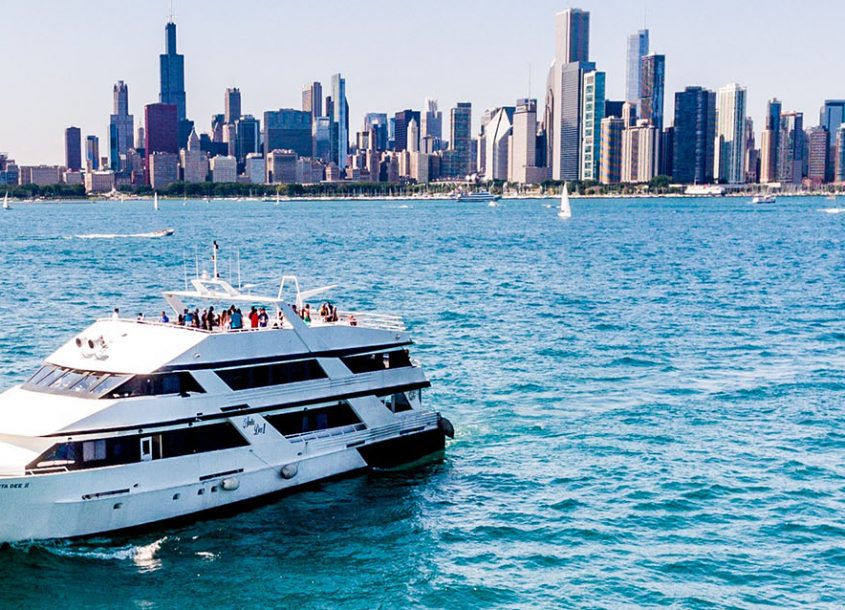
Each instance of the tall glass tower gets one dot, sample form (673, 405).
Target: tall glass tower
(173, 74)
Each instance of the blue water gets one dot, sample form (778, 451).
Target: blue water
(649, 402)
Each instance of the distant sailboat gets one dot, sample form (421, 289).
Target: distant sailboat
(6, 205)
(155, 201)
(277, 198)
(565, 209)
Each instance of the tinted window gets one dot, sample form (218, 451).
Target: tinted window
(271, 374)
(378, 362)
(312, 420)
(157, 385)
(86, 384)
(127, 449)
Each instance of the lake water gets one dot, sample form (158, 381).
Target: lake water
(649, 402)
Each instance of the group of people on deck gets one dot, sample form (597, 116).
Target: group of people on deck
(229, 319)
(233, 319)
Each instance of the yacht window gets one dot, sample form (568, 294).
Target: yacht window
(60, 380)
(93, 451)
(312, 420)
(157, 385)
(272, 374)
(378, 362)
(127, 449)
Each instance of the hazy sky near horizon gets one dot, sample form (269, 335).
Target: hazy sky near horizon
(62, 57)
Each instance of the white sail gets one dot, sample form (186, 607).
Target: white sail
(155, 201)
(565, 208)
(6, 205)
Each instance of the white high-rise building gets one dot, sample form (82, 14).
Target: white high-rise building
(341, 146)
(730, 134)
(496, 140)
(563, 93)
(637, 49)
(640, 146)
(224, 169)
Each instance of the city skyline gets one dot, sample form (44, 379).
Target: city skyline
(86, 93)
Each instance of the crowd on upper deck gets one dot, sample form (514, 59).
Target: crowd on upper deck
(234, 319)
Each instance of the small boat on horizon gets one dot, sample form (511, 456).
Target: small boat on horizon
(155, 201)
(6, 205)
(758, 199)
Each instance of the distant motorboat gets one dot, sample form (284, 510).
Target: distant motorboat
(763, 199)
(478, 196)
(565, 208)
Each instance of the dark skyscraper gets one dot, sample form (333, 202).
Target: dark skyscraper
(162, 130)
(248, 130)
(121, 128)
(403, 119)
(572, 36)
(288, 129)
(652, 79)
(92, 153)
(233, 106)
(173, 74)
(461, 141)
(832, 118)
(73, 149)
(695, 134)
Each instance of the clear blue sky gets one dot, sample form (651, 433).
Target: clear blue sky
(61, 57)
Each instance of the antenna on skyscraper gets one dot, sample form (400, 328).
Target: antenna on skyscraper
(529, 81)
(645, 14)
(171, 11)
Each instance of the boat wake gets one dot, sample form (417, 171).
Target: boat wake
(143, 556)
(150, 235)
(833, 210)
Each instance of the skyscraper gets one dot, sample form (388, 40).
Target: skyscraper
(341, 121)
(92, 153)
(232, 106)
(839, 152)
(572, 36)
(121, 128)
(73, 149)
(403, 119)
(652, 79)
(162, 131)
(563, 92)
(729, 163)
(770, 143)
(523, 167)
(695, 133)
(497, 137)
(639, 152)
(817, 151)
(637, 49)
(832, 117)
(376, 122)
(791, 148)
(461, 137)
(432, 120)
(248, 137)
(288, 129)
(172, 67)
(592, 114)
(611, 150)
(312, 99)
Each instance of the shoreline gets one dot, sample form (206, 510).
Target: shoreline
(425, 197)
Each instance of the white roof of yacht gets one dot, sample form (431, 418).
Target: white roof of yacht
(124, 346)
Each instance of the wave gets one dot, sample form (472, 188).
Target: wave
(150, 235)
(833, 210)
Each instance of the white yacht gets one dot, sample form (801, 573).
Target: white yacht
(134, 422)
(477, 196)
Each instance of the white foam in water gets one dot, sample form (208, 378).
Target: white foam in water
(834, 210)
(151, 235)
(142, 556)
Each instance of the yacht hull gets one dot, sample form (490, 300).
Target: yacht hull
(85, 503)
